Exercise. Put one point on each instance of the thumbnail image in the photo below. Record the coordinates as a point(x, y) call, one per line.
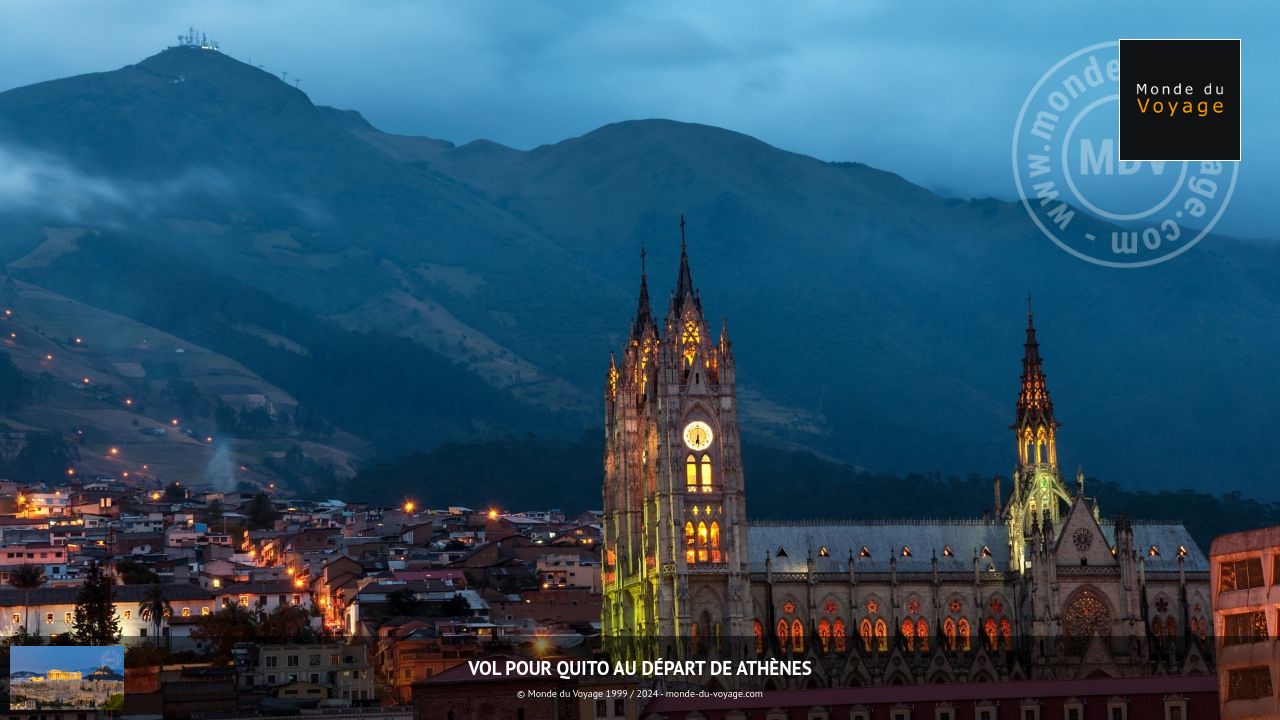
point(78, 678)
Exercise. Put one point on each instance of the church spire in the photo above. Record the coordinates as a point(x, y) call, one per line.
point(684, 293)
point(1034, 404)
point(644, 311)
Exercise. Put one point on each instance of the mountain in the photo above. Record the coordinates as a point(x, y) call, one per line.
point(874, 322)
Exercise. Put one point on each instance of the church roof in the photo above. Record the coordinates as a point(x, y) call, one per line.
point(1166, 538)
point(882, 540)
point(798, 540)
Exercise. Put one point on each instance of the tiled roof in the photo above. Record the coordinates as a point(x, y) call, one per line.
point(11, 597)
point(882, 540)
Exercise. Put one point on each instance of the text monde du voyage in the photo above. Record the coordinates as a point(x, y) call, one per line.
point(1179, 99)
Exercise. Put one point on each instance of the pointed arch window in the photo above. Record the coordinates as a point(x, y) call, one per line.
point(965, 642)
point(695, 641)
point(1170, 628)
point(689, 541)
point(824, 635)
point(758, 629)
point(991, 633)
point(691, 473)
point(922, 635)
point(909, 635)
point(1006, 633)
point(784, 633)
point(797, 636)
point(882, 635)
point(702, 542)
point(837, 632)
point(715, 542)
point(707, 483)
point(864, 631)
point(949, 632)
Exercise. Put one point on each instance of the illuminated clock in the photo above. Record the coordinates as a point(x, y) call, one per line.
point(697, 435)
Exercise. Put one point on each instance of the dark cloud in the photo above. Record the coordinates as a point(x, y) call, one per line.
point(926, 89)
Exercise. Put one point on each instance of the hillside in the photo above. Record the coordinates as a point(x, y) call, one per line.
point(874, 322)
point(140, 404)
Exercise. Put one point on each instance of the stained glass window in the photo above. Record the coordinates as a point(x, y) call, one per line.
point(784, 633)
point(689, 539)
point(706, 473)
point(949, 631)
point(691, 474)
point(824, 635)
point(830, 607)
point(991, 633)
point(1006, 632)
point(882, 635)
point(715, 542)
point(702, 542)
point(759, 633)
point(909, 635)
point(837, 630)
point(797, 636)
point(965, 643)
point(922, 635)
point(1087, 615)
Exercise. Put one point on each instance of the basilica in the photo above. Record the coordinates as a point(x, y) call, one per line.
point(1048, 587)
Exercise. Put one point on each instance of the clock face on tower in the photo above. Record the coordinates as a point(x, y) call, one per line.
point(697, 435)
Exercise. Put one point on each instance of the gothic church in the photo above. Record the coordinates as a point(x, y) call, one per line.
point(1047, 588)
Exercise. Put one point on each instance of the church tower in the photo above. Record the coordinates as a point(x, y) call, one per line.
point(1039, 497)
point(675, 576)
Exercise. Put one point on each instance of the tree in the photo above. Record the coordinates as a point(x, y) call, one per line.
point(214, 511)
point(94, 621)
point(219, 632)
point(155, 609)
point(27, 577)
point(287, 624)
point(262, 514)
point(173, 493)
point(135, 573)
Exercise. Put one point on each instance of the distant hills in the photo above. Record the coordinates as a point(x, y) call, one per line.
point(875, 322)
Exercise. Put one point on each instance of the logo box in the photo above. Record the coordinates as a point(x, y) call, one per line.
point(1180, 100)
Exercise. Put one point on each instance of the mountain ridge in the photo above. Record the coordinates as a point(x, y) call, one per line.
point(875, 321)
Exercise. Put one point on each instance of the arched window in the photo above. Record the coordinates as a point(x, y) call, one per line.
point(784, 633)
point(824, 635)
point(759, 632)
point(922, 635)
point(991, 633)
point(695, 641)
point(715, 542)
point(1170, 628)
point(965, 644)
point(949, 631)
point(797, 636)
point(706, 473)
point(689, 550)
point(1157, 628)
point(882, 635)
point(864, 631)
point(1006, 632)
point(909, 634)
point(702, 542)
point(691, 473)
point(837, 629)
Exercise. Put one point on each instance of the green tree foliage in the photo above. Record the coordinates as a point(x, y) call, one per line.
point(27, 577)
point(94, 621)
point(218, 633)
point(135, 573)
point(174, 492)
point(155, 608)
point(524, 472)
point(261, 513)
